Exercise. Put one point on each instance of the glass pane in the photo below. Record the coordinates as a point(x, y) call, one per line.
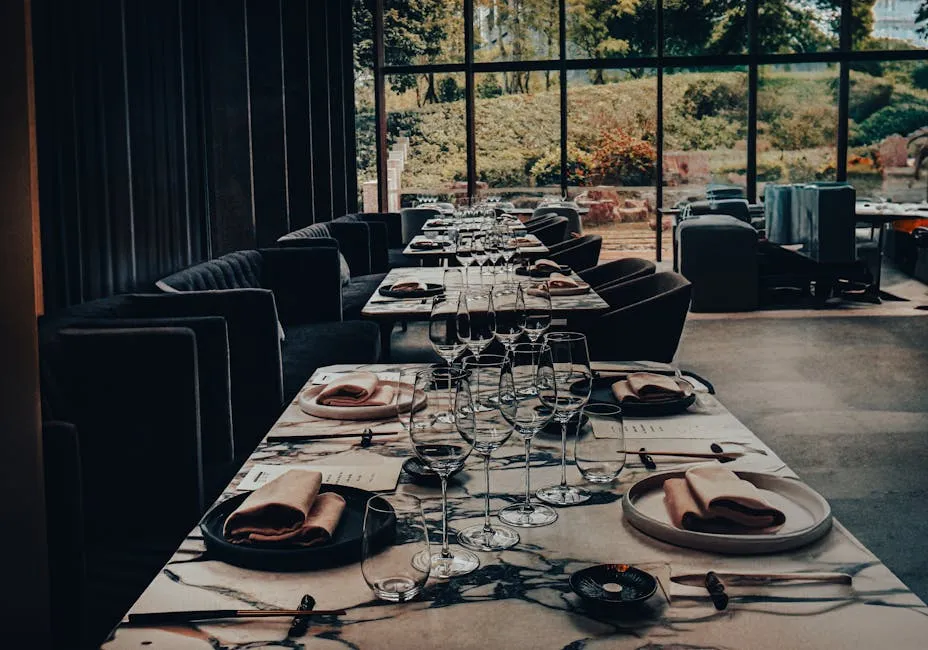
point(599, 29)
point(895, 25)
point(516, 30)
point(518, 135)
point(425, 31)
point(705, 131)
point(797, 123)
point(694, 28)
point(427, 151)
point(364, 123)
point(611, 135)
point(794, 26)
point(885, 112)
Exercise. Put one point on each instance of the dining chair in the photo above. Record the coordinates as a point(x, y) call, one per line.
point(414, 218)
point(553, 232)
point(617, 272)
point(573, 216)
point(644, 322)
point(578, 253)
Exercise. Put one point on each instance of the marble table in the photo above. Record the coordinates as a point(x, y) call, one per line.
point(449, 251)
point(466, 225)
point(520, 598)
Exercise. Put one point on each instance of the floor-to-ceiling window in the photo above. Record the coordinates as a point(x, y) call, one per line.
point(627, 106)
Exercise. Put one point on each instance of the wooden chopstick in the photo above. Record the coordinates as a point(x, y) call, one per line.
point(302, 438)
point(164, 618)
point(826, 577)
point(728, 455)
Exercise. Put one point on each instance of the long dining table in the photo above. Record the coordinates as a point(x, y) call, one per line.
point(520, 598)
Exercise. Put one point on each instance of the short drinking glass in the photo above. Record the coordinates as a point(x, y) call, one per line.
point(391, 572)
point(599, 446)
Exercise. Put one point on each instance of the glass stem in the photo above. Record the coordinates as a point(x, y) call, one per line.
point(564, 454)
point(487, 528)
point(445, 551)
point(527, 506)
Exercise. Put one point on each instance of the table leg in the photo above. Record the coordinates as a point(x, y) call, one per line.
point(386, 333)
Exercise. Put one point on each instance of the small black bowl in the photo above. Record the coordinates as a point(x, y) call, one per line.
point(613, 587)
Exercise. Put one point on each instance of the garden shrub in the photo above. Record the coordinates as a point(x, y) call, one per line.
point(449, 90)
point(902, 119)
point(715, 132)
point(810, 126)
point(547, 170)
point(489, 86)
point(867, 96)
point(714, 96)
point(920, 77)
point(622, 159)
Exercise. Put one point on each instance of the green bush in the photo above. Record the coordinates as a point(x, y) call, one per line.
point(489, 86)
point(867, 96)
point(622, 159)
point(711, 97)
point(449, 90)
point(810, 126)
point(902, 119)
point(547, 170)
point(920, 77)
point(715, 132)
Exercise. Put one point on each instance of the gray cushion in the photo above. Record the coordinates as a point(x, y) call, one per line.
point(344, 270)
point(356, 294)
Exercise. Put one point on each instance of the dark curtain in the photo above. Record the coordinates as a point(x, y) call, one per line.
point(172, 132)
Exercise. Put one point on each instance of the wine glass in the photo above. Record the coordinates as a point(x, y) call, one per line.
point(453, 279)
point(485, 428)
point(445, 323)
point(492, 247)
point(534, 307)
point(478, 319)
point(574, 380)
point(437, 443)
point(480, 254)
point(507, 321)
point(508, 251)
point(464, 254)
point(600, 453)
point(526, 386)
point(392, 573)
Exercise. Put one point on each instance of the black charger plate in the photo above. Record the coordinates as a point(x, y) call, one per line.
point(432, 290)
point(602, 392)
point(343, 548)
point(429, 246)
point(544, 273)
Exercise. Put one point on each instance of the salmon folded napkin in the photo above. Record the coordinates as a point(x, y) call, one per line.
point(287, 510)
point(408, 285)
point(561, 281)
point(546, 265)
point(356, 389)
point(525, 240)
point(712, 499)
point(649, 387)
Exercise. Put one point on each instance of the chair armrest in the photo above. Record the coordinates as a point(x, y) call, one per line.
point(306, 283)
point(354, 242)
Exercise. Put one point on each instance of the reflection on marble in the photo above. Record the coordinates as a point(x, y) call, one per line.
point(520, 598)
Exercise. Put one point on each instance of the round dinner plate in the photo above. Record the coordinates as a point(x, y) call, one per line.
point(808, 516)
point(602, 392)
point(310, 406)
point(432, 290)
point(344, 547)
point(543, 273)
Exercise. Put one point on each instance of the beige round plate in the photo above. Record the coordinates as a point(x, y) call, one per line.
point(808, 516)
point(309, 405)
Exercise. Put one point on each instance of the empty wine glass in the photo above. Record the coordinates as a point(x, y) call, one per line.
point(393, 573)
point(574, 380)
point(453, 279)
point(464, 254)
point(486, 430)
point(478, 319)
point(599, 450)
point(526, 386)
point(446, 321)
point(507, 321)
point(534, 307)
point(437, 443)
point(480, 254)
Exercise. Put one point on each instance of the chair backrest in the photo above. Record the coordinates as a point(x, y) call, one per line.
point(238, 270)
point(572, 214)
point(580, 253)
point(617, 271)
point(393, 222)
point(646, 319)
point(414, 218)
point(553, 232)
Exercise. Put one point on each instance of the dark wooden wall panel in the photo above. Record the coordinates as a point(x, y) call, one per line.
point(173, 131)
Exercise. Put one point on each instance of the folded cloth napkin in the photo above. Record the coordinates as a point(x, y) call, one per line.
point(356, 389)
point(649, 387)
point(546, 265)
point(711, 498)
point(561, 281)
point(525, 240)
point(425, 244)
point(409, 285)
point(287, 510)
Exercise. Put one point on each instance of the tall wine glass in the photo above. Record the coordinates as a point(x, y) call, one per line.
point(574, 380)
point(478, 319)
point(437, 443)
point(507, 322)
point(486, 430)
point(445, 322)
point(464, 253)
point(534, 306)
point(526, 386)
point(480, 255)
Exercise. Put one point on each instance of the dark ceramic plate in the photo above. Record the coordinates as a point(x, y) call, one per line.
point(565, 270)
point(602, 392)
point(343, 548)
point(433, 290)
point(613, 586)
point(421, 474)
point(429, 246)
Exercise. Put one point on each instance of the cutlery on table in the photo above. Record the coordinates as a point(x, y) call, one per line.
point(167, 618)
point(713, 583)
point(300, 624)
point(724, 456)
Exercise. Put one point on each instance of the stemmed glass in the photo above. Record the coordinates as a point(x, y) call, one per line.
point(534, 308)
point(574, 380)
point(508, 251)
point(486, 430)
point(526, 386)
point(478, 319)
point(464, 254)
point(437, 443)
point(492, 247)
point(480, 255)
point(445, 322)
point(507, 322)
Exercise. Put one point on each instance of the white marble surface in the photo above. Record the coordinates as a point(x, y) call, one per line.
point(520, 598)
point(448, 251)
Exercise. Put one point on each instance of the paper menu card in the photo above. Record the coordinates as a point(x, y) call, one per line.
point(368, 476)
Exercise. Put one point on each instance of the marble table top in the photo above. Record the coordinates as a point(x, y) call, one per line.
point(448, 251)
point(418, 309)
point(466, 225)
point(520, 598)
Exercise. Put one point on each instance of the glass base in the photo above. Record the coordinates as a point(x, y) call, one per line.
point(566, 495)
point(531, 517)
point(461, 562)
point(499, 538)
point(397, 589)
